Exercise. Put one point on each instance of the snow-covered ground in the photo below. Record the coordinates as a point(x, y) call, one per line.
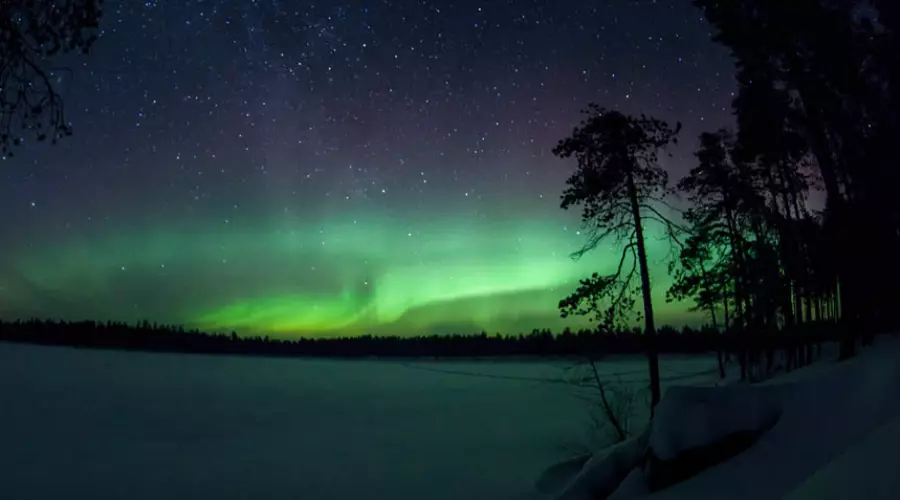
point(110, 425)
point(829, 431)
point(837, 432)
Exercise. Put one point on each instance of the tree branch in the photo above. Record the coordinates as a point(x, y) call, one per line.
point(594, 240)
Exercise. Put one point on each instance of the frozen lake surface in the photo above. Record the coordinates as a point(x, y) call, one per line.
point(115, 425)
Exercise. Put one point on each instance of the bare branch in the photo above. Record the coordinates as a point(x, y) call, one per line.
point(625, 250)
point(607, 407)
point(32, 33)
point(595, 239)
point(627, 282)
point(663, 219)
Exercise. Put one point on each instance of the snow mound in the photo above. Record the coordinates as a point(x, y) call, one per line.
point(556, 477)
point(633, 486)
point(821, 418)
point(687, 418)
point(602, 473)
point(693, 417)
point(830, 435)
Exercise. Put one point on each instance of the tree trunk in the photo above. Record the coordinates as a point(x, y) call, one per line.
point(741, 299)
point(726, 319)
point(650, 328)
point(808, 308)
point(726, 337)
point(719, 347)
point(847, 266)
point(720, 357)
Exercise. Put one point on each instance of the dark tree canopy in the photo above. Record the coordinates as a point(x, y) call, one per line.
point(612, 148)
point(616, 179)
point(819, 91)
point(755, 252)
point(614, 154)
point(32, 33)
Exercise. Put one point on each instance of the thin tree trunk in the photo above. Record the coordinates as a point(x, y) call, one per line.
point(725, 303)
point(741, 301)
point(719, 347)
point(720, 356)
point(618, 426)
point(650, 328)
point(818, 140)
point(726, 336)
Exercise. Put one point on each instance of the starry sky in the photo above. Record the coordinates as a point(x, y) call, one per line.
point(329, 168)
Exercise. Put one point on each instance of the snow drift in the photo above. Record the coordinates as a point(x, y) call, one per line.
point(796, 438)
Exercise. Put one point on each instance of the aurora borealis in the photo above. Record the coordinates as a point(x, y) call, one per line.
point(324, 168)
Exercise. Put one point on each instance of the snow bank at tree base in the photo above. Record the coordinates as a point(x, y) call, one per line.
point(830, 435)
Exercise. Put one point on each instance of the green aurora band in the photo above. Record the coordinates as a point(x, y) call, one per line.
point(346, 276)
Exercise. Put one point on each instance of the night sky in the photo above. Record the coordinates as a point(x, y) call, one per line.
point(320, 168)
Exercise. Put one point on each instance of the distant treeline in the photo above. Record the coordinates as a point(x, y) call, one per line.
point(146, 336)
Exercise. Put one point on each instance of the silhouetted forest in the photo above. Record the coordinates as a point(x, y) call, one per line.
point(817, 113)
point(168, 338)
